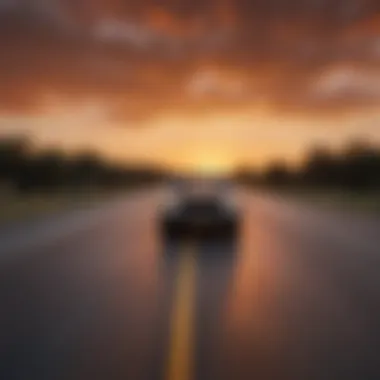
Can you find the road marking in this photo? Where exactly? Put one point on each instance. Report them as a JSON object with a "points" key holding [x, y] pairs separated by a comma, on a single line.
{"points": [[181, 343]]}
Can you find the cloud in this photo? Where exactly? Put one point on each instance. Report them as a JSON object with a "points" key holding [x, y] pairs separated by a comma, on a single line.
{"points": [[110, 30], [187, 56], [348, 83]]}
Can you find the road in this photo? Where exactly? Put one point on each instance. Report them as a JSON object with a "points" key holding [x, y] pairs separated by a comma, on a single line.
{"points": [[97, 295]]}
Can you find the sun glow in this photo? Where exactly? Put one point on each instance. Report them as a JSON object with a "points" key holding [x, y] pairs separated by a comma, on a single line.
{"points": [[213, 166]]}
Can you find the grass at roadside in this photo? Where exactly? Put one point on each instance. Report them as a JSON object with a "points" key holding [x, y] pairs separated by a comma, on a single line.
{"points": [[15, 207], [351, 201]]}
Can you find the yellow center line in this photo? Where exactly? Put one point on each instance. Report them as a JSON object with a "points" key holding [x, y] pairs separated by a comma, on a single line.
{"points": [[181, 343]]}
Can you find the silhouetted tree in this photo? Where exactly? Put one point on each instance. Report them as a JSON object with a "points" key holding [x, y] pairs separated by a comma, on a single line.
{"points": [[86, 169], [277, 174], [355, 168], [321, 168], [247, 176], [49, 170], [14, 155], [360, 166], [28, 169]]}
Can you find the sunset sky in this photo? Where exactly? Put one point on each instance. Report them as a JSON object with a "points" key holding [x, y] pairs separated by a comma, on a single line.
{"points": [[191, 83]]}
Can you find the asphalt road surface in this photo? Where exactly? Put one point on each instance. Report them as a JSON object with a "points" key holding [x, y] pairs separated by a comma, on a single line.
{"points": [[96, 295]]}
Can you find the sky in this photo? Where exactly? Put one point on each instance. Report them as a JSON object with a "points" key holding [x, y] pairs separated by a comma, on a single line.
{"points": [[210, 84]]}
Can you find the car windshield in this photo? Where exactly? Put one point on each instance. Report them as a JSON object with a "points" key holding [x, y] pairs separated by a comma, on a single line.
{"points": [[201, 206]]}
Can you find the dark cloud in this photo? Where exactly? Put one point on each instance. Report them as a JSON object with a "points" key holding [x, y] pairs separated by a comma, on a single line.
{"points": [[141, 57]]}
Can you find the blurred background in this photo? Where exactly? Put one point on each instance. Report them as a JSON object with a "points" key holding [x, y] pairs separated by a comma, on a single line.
{"points": [[103, 103], [214, 87]]}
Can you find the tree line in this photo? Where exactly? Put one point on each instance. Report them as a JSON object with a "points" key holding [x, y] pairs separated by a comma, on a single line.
{"points": [[26, 168], [356, 167]]}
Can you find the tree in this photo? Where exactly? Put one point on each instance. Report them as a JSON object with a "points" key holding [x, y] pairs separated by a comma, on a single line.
{"points": [[321, 168], [14, 153], [278, 174]]}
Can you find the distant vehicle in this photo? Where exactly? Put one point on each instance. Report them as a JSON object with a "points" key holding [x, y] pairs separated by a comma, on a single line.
{"points": [[201, 208]]}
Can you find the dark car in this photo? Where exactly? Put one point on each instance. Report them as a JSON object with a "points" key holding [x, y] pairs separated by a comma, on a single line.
{"points": [[201, 213]]}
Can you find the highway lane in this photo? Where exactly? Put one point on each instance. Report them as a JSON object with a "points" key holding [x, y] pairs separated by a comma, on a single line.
{"points": [[98, 295]]}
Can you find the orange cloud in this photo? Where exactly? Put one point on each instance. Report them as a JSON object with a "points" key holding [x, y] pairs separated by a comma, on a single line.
{"points": [[139, 76]]}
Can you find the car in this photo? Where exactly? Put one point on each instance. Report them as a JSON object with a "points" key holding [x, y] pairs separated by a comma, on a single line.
{"points": [[201, 209]]}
